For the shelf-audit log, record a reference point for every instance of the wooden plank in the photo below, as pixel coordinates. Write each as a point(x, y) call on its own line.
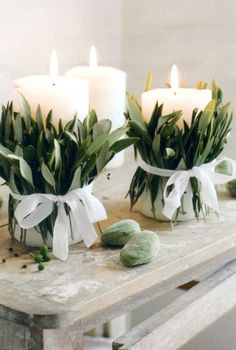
point(129, 304)
point(18, 337)
point(188, 315)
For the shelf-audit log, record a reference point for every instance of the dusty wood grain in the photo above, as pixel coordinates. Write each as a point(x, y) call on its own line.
point(188, 315)
point(18, 337)
point(92, 285)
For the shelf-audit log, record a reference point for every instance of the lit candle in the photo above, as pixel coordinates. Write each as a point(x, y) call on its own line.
point(107, 93)
point(175, 99)
point(65, 96)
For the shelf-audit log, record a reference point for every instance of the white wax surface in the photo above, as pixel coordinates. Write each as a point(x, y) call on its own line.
point(107, 95)
point(184, 99)
point(66, 98)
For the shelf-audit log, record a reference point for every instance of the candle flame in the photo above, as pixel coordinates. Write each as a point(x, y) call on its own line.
point(174, 78)
point(53, 67)
point(93, 57)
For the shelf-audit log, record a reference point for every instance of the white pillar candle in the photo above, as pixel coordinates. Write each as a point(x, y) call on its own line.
point(175, 99)
point(65, 96)
point(107, 93)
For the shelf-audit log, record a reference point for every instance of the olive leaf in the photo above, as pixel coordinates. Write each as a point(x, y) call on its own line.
point(48, 175)
point(24, 167)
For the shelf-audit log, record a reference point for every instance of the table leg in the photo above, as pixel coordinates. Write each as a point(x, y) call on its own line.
point(68, 338)
point(17, 337)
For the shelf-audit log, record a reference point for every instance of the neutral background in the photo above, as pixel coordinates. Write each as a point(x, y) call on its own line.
point(135, 35)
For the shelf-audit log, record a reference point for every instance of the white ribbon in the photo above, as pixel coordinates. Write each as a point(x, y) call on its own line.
point(179, 180)
point(85, 209)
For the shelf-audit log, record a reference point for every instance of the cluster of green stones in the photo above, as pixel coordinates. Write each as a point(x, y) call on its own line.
point(138, 246)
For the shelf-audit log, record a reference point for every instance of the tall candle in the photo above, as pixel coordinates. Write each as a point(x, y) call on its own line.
point(107, 93)
point(175, 99)
point(64, 95)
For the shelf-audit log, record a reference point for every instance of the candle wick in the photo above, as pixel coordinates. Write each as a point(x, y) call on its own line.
point(175, 93)
point(53, 84)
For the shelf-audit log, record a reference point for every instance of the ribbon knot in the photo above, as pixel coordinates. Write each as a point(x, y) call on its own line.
point(179, 180)
point(85, 209)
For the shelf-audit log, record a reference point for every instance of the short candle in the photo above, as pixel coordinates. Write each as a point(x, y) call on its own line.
point(66, 96)
point(175, 99)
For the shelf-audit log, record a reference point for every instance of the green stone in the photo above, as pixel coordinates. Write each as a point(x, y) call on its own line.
point(140, 249)
point(118, 234)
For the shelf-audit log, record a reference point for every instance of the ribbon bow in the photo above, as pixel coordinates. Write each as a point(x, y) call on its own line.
point(179, 180)
point(85, 209)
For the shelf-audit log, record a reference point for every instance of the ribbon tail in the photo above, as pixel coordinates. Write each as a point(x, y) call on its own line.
point(61, 234)
point(179, 180)
point(81, 223)
point(208, 192)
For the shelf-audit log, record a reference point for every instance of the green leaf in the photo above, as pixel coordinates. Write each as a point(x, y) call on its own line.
point(57, 154)
point(88, 167)
point(29, 153)
point(105, 125)
point(117, 134)
point(91, 119)
point(25, 109)
point(4, 151)
point(96, 145)
point(25, 169)
point(72, 137)
point(76, 181)
point(18, 129)
point(156, 144)
point(47, 175)
point(140, 132)
point(135, 113)
point(103, 157)
point(123, 144)
point(149, 81)
point(207, 115)
point(49, 120)
point(39, 118)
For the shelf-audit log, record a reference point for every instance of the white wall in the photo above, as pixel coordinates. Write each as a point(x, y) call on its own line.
point(31, 29)
point(198, 35)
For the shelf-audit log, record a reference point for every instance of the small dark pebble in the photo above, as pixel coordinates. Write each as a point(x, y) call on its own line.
point(16, 254)
point(24, 266)
point(3, 261)
point(10, 249)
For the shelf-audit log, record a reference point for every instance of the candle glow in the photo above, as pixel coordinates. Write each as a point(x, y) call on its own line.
point(93, 58)
point(53, 67)
point(174, 79)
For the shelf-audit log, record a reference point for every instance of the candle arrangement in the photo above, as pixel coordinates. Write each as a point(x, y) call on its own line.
point(50, 168)
point(177, 150)
point(52, 147)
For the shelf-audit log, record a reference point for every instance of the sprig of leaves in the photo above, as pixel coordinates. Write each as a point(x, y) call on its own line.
point(163, 144)
point(41, 157)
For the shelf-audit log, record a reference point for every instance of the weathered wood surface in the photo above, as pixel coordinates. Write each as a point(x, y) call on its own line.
point(17, 337)
point(187, 316)
point(92, 286)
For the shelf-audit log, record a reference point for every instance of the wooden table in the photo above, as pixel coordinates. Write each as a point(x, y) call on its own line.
point(53, 308)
